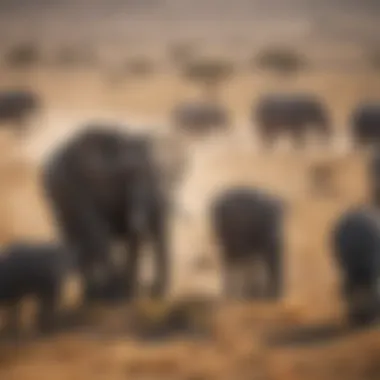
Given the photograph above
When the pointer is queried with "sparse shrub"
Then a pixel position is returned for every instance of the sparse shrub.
(322, 179)
(22, 56)
(139, 66)
(186, 316)
(209, 72)
(75, 56)
(281, 60)
(182, 52)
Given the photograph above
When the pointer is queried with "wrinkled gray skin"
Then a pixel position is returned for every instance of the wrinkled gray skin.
(200, 117)
(365, 124)
(248, 224)
(103, 187)
(356, 247)
(16, 106)
(294, 114)
(34, 269)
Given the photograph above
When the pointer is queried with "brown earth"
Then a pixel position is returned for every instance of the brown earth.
(235, 351)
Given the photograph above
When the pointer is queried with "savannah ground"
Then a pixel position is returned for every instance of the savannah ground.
(312, 282)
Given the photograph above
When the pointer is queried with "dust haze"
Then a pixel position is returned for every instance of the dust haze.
(337, 37)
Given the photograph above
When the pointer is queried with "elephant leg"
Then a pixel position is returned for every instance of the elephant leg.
(275, 267)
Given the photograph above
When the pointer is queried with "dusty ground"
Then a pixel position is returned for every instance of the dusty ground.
(235, 351)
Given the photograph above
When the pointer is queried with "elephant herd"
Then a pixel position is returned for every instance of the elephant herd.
(276, 114)
(294, 114)
(106, 186)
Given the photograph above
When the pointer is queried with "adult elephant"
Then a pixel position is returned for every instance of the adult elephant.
(294, 114)
(365, 124)
(104, 186)
(248, 224)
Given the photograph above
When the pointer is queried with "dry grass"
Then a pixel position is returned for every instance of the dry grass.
(312, 282)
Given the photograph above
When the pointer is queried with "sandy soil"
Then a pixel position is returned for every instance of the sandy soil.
(235, 351)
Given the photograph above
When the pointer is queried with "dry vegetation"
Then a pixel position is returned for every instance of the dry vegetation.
(234, 350)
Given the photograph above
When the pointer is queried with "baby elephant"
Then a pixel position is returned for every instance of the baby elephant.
(248, 225)
(41, 270)
(356, 242)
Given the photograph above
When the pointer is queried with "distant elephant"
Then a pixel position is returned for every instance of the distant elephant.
(17, 105)
(365, 124)
(294, 114)
(200, 117)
